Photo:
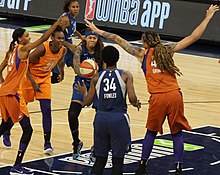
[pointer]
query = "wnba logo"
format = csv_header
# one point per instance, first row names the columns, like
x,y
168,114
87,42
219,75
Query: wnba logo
x,y
90,9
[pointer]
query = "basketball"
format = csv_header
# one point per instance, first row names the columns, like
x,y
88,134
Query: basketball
x,y
88,68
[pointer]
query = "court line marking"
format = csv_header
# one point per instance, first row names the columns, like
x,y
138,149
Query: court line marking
x,y
185,169
215,163
40,171
43,158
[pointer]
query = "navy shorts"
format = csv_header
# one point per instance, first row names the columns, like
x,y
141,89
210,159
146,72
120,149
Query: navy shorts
x,y
111,132
76,95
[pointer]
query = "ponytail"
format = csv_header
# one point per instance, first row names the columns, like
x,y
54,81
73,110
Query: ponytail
x,y
11,46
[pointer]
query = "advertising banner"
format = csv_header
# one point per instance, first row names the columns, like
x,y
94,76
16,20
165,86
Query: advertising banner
x,y
174,18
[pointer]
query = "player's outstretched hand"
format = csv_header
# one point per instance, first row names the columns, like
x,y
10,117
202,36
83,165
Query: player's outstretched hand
x,y
81,87
210,12
91,25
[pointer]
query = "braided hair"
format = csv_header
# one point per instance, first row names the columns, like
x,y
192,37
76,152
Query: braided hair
x,y
161,54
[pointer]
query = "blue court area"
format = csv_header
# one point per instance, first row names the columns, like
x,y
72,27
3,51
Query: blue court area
x,y
201,157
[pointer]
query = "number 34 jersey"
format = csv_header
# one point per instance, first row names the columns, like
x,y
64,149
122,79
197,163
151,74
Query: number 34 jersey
x,y
111,91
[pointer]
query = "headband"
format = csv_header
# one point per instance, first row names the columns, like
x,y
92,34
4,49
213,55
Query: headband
x,y
91,33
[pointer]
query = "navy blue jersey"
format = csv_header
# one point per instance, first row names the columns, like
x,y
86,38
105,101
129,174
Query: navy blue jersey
x,y
111,91
85,54
69,32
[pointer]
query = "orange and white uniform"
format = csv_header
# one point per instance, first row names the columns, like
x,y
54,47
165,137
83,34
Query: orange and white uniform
x,y
166,98
12,102
41,74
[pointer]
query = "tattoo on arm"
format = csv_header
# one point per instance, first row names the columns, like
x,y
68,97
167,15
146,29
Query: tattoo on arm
x,y
76,59
131,49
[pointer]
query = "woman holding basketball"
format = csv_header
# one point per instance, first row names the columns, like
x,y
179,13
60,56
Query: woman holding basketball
x,y
90,49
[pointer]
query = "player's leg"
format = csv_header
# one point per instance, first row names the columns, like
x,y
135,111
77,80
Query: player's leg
x,y
101,144
6,132
73,118
45,105
156,117
120,139
178,151
24,142
177,121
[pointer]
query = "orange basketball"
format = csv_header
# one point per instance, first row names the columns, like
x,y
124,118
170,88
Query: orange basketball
x,y
88,68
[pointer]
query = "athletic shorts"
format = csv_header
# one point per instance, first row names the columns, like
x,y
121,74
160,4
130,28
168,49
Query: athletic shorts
x,y
29,93
76,95
170,105
111,132
13,106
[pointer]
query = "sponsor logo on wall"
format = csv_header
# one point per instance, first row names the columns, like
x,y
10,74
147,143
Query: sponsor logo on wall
x,y
145,13
15,4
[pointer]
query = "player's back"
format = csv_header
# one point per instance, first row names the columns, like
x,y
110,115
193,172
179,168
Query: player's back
x,y
17,69
111,91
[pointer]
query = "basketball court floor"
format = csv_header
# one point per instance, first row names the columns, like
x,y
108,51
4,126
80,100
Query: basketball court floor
x,y
200,85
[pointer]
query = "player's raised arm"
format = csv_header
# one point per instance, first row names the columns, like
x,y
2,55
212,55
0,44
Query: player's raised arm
x,y
197,33
131,49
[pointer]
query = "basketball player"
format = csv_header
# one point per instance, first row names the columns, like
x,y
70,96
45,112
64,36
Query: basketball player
x,y
38,82
71,11
160,72
6,136
12,104
111,124
90,49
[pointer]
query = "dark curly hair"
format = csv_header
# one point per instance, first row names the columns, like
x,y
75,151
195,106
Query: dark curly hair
x,y
110,55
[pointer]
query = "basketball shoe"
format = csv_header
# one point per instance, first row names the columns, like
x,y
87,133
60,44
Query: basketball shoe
x,y
18,169
179,168
6,139
92,155
48,149
142,170
77,149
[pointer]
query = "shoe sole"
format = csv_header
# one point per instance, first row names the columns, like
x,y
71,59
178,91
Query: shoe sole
x,y
48,151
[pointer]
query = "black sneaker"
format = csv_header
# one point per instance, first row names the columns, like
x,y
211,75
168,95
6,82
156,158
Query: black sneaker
x,y
142,170
92,155
179,168
77,149
178,172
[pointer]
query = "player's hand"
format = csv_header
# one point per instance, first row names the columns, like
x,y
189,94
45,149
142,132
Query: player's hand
x,y
91,25
210,12
81,87
219,61
138,104
36,87
60,78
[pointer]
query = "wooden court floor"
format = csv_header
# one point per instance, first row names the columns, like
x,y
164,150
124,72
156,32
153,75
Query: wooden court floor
x,y
200,85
